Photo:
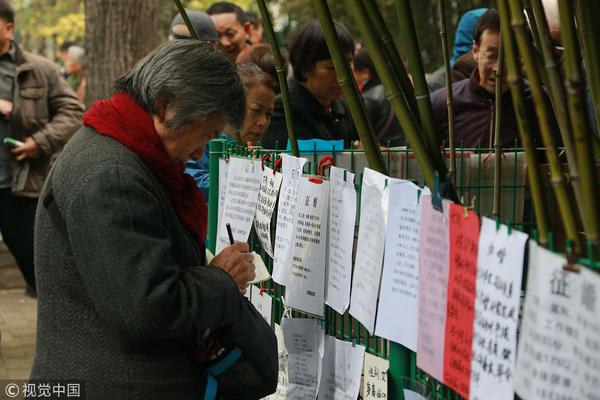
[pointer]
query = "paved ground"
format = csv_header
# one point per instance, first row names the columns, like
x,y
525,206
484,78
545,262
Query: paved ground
x,y
17,322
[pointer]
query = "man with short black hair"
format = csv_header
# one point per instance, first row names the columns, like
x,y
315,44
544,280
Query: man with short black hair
x,y
256,27
232,26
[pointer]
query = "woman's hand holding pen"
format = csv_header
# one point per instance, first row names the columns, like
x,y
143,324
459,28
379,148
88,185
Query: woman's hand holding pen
x,y
237,262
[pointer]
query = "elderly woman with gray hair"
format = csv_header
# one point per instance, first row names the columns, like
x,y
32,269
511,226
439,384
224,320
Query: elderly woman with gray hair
x,y
127,305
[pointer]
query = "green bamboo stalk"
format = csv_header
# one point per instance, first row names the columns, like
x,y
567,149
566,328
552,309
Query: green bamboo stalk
x,y
415,63
349,88
401,109
580,125
515,82
534,29
386,39
557,94
543,114
449,97
186,19
498,132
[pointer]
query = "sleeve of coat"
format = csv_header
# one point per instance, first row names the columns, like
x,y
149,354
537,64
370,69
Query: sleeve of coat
x,y
123,251
65,114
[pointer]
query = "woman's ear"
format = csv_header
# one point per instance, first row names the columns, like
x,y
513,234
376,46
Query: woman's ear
x,y
161,111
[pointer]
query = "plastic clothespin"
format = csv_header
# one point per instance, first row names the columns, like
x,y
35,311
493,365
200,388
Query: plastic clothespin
x,y
466,208
497,224
438,188
324,163
265,157
345,175
276,165
509,226
419,191
571,264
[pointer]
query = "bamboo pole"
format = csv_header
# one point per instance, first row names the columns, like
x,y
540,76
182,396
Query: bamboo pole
x,y
498,131
449,97
385,38
415,63
186,19
348,85
543,115
401,109
281,75
580,125
515,82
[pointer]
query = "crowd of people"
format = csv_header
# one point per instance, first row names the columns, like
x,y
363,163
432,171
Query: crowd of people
x,y
127,299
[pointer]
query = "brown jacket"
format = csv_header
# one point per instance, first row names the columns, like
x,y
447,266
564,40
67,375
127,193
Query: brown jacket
x,y
45,108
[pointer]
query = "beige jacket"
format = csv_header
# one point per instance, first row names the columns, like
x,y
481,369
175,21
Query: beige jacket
x,y
45,108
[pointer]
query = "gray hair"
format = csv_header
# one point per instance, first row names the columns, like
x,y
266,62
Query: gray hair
x,y
78,54
190,77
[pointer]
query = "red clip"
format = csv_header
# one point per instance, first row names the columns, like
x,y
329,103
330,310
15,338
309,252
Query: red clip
x,y
315,179
276,165
325,163
265,157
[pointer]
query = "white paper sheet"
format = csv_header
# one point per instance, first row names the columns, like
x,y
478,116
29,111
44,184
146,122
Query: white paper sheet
x,y
369,249
306,284
400,278
375,379
342,217
291,168
267,197
342,367
410,395
498,289
262,302
304,340
261,271
223,175
282,378
243,183
559,345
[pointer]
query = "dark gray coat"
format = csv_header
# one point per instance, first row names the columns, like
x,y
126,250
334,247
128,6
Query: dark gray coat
x,y
124,302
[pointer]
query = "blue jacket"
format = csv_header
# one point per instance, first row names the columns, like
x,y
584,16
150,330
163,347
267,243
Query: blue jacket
x,y
198,169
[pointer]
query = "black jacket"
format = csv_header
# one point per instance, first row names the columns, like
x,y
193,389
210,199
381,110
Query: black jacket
x,y
310,120
379,110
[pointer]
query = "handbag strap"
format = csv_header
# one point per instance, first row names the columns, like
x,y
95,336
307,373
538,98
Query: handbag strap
x,y
214,371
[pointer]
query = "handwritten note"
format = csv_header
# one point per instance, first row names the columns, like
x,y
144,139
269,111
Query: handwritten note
x,y
306,284
400,279
342,367
342,216
304,340
286,217
262,302
370,247
498,289
458,342
433,285
559,346
265,205
282,378
243,184
375,378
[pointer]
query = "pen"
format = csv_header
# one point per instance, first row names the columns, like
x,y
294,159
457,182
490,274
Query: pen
x,y
230,233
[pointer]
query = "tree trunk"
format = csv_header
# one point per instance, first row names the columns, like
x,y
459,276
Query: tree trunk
x,y
117,34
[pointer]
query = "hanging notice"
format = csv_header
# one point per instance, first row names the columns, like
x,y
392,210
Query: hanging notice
x,y
370,247
282,377
262,302
223,175
400,278
375,378
267,197
291,169
260,269
342,216
243,184
410,395
304,340
433,285
462,275
498,290
559,347
306,284
342,367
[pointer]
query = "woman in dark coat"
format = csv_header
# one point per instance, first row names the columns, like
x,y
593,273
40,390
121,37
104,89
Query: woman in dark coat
x,y
125,298
318,112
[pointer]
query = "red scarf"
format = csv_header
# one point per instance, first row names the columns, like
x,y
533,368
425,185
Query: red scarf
x,y
124,120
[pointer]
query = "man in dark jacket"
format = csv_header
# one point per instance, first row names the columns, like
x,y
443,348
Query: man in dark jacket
x,y
40,110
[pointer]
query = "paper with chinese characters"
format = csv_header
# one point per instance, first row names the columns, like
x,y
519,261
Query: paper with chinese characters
x,y
243,184
304,340
370,247
433,285
291,169
282,377
265,205
559,345
223,174
400,277
262,302
498,289
306,285
342,217
460,308
375,378
410,395
342,367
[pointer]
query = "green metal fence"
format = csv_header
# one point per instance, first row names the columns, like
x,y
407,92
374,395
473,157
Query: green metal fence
x,y
474,183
